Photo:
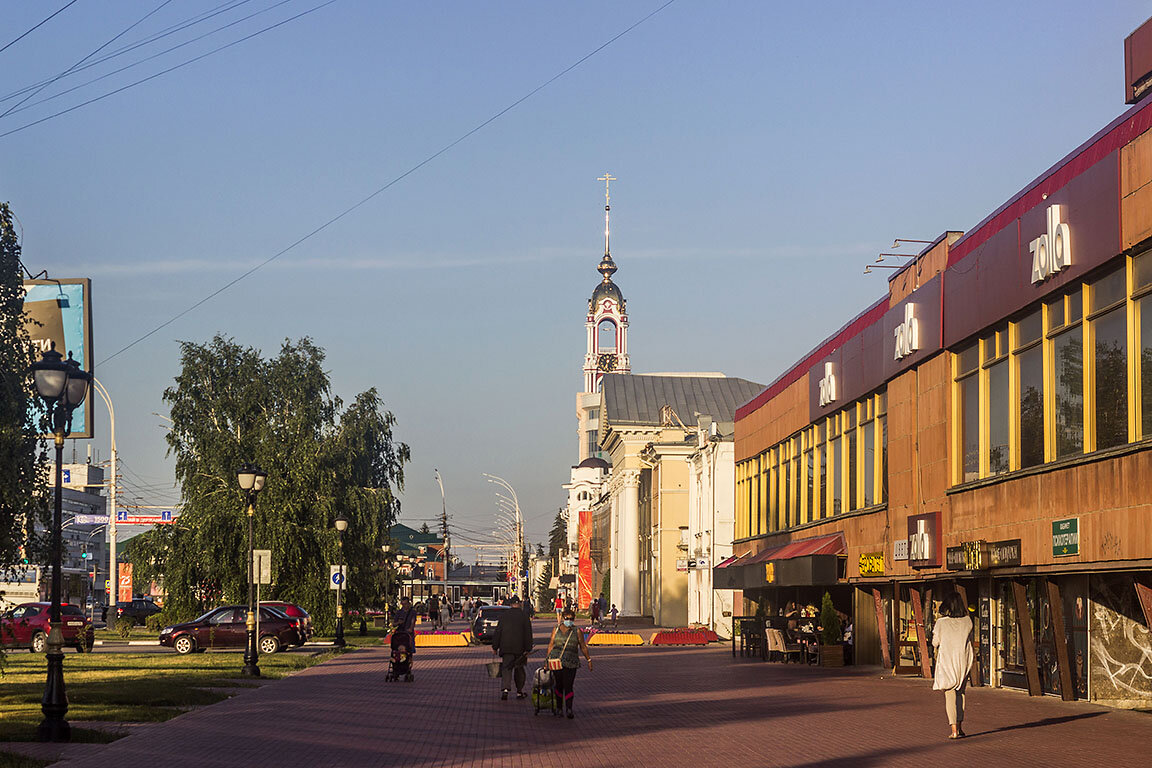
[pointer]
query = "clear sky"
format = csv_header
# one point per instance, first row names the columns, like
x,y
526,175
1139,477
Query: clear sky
x,y
765,152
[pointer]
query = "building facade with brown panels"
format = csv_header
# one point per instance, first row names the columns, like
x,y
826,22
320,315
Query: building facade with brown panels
x,y
987,427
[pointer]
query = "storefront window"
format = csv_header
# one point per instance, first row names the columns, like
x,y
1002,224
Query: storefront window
x,y
794,487
837,475
852,460
868,437
970,427
998,409
810,481
1110,338
1068,358
1029,361
1144,311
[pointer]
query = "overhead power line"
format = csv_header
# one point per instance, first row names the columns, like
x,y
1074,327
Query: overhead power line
x,y
37,26
120,34
158,74
128,48
381,189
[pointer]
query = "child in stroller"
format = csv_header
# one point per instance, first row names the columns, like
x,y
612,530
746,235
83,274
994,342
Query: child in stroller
x,y
400,662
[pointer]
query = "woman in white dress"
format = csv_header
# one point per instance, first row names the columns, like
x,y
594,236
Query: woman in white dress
x,y
952,639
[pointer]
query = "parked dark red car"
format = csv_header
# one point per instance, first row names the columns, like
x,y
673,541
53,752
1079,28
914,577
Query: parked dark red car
x,y
26,626
293,611
225,627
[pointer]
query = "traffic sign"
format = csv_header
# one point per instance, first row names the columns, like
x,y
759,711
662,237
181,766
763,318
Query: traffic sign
x,y
89,519
336,576
261,566
125,519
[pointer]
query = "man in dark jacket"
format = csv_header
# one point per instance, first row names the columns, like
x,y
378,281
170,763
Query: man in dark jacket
x,y
512,641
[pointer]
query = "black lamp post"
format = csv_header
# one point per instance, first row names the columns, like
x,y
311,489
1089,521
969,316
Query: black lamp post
x,y
63,386
251,479
341,526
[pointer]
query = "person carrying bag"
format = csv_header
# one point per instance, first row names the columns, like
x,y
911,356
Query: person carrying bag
x,y
564,648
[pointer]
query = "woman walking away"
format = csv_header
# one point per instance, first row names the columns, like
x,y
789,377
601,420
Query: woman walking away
x,y
564,648
952,639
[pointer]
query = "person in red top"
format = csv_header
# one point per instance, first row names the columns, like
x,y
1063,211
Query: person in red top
x,y
558,604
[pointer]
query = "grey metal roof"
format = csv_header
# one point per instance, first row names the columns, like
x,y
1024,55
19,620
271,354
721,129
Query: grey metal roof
x,y
636,399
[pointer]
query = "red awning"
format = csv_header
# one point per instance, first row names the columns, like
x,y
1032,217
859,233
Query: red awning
x,y
729,561
765,556
820,545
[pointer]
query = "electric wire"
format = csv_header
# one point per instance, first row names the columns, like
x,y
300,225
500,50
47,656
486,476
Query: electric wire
x,y
146,59
178,27
102,47
37,26
160,73
381,189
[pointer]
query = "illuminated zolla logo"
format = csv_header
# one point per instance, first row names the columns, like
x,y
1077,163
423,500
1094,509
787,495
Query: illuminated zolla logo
x,y
920,543
1052,251
907,333
827,386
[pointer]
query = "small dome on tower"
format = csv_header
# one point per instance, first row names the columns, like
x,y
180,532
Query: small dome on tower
x,y
606,290
595,462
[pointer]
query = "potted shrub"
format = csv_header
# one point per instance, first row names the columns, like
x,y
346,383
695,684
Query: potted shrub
x,y
831,633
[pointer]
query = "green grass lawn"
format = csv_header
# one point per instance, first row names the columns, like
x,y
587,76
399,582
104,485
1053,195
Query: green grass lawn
x,y
128,687
11,760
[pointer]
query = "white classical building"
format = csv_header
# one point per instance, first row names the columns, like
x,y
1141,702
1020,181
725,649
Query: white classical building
x,y
711,523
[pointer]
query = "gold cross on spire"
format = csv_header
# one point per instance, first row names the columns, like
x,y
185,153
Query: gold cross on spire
x,y
607,178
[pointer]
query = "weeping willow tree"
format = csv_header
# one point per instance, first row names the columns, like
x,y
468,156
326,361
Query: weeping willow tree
x,y
230,406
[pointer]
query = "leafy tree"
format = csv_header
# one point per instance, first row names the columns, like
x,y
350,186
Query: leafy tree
x,y
23,462
544,593
231,406
539,550
424,528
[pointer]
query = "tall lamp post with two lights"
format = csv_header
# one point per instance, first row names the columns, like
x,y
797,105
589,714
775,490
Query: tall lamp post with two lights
x,y
62,385
251,479
341,526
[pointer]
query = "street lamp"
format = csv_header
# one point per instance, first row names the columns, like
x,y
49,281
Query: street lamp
x,y
62,385
251,479
341,526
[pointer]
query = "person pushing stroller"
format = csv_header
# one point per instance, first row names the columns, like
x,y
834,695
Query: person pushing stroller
x,y
403,642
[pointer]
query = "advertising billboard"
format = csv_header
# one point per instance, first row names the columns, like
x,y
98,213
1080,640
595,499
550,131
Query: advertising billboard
x,y
60,311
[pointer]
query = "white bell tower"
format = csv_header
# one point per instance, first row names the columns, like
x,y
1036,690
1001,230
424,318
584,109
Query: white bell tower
x,y
607,322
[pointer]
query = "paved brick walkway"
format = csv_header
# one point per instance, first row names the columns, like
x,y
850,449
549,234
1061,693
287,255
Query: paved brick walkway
x,y
639,707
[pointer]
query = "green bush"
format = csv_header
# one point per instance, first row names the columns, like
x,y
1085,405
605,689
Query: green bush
x,y
155,622
830,630
124,627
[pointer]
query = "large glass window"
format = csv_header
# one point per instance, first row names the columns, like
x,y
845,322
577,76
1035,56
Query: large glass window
x,y
968,421
1110,358
999,405
868,438
1144,311
1028,359
1068,362
850,424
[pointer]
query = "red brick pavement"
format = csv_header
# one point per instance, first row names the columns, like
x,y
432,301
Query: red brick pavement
x,y
641,706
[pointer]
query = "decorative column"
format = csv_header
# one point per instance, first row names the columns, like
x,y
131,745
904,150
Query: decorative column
x,y
630,543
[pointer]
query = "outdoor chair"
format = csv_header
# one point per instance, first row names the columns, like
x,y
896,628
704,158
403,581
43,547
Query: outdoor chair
x,y
786,648
751,637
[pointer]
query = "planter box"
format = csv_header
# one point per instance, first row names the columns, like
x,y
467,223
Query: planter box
x,y
831,655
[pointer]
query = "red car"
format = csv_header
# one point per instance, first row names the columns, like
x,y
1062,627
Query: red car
x,y
293,611
26,626
226,627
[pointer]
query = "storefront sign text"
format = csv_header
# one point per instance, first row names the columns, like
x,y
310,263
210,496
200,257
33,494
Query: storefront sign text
x,y
1004,553
1052,251
871,563
770,573
1066,537
900,549
827,386
907,333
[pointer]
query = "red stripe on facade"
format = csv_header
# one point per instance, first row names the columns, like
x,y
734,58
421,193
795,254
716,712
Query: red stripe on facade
x,y
869,316
1116,134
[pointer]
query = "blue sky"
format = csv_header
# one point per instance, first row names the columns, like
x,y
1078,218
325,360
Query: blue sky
x,y
765,152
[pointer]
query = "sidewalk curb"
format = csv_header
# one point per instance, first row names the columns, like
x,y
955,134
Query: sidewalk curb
x,y
125,642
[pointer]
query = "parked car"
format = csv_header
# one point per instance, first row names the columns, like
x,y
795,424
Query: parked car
x,y
138,610
485,622
225,627
293,611
26,626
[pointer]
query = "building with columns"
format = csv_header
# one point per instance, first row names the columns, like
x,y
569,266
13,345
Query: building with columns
x,y
640,524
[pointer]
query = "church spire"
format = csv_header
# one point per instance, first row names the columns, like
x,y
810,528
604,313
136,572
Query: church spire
x,y
607,267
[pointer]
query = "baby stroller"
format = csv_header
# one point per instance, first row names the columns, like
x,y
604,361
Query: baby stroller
x,y
543,695
400,662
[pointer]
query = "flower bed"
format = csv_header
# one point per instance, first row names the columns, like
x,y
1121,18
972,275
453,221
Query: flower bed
x,y
441,638
615,638
684,636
